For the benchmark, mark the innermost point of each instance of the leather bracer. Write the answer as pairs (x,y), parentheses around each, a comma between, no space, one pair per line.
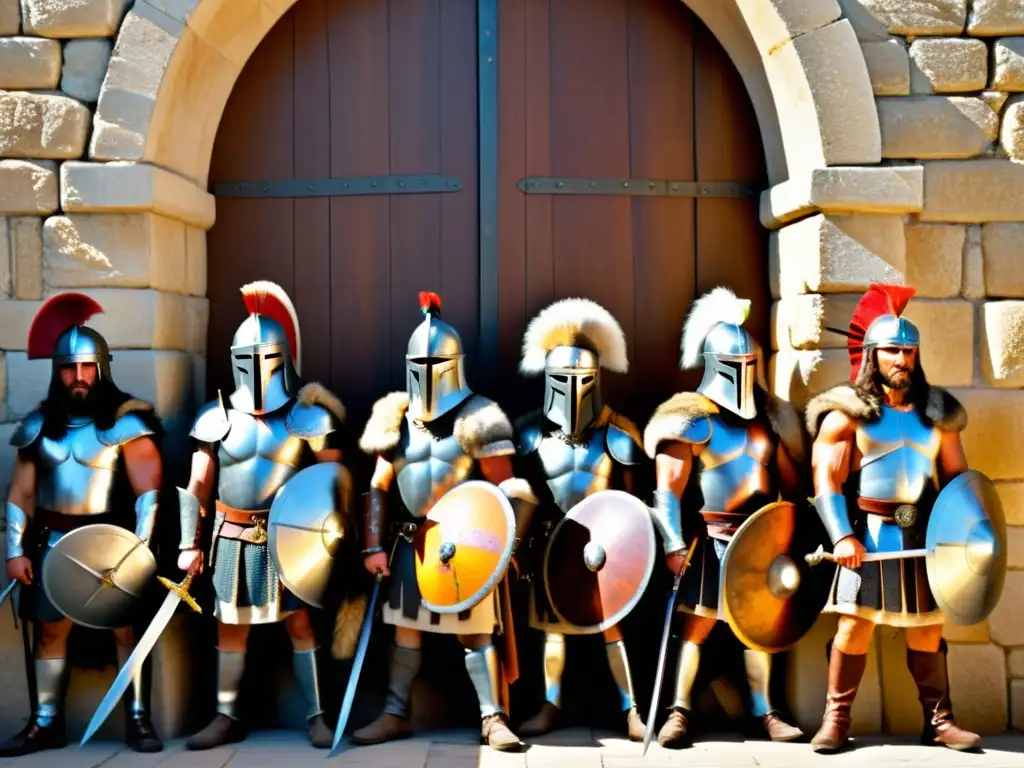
(375,521)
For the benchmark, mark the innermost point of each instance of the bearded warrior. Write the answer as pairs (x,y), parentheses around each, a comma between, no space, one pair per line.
(74,450)
(427,440)
(889,442)
(272,426)
(739,445)
(574,447)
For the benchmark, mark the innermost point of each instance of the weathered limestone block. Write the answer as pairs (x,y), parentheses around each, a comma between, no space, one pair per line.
(71,18)
(935,258)
(27,257)
(996,17)
(15,318)
(41,126)
(971,633)
(947,340)
(973,190)
(1015,663)
(5,257)
(773,25)
(838,254)
(10,17)
(918,17)
(134,188)
(1011,136)
(1003,245)
(992,442)
(198,317)
(1015,547)
(161,377)
(807,682)
(1007,620)
(28,186)
(1017,705)
(85,65)
(234,29)
(930,127)
(887,190)
(973,669)
(1011,494)
(948,65)
(138,250)
(798,375)
(1002,343)
(1008,64)
(195,261)
(802,322)
(995,99)
(888,67)
(29,62)
(3,408)
(974,269)
(901,712)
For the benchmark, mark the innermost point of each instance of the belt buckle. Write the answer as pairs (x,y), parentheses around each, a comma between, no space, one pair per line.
(259,535)
(905,515)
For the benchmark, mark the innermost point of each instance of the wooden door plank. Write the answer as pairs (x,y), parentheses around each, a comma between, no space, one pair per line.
(661,146)
(361,335)
(312,131)
(731,244)
(415,148)
(459,239)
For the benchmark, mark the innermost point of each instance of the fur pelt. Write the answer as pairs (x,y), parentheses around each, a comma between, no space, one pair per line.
(314,393)
(575,323)
(133,405)
(517,489)
(787,425)
(384,427)
(719,305)
(347,624)
(481,423)
(942,410)
(674,416)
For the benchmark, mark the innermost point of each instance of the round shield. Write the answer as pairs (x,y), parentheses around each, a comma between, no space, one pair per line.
(305,528)
(464,546)
(770,595)
(966,544)
(599,560)
(96,575)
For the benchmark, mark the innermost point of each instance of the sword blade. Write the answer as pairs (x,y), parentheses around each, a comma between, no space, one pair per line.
(357,666)
(124,677)
(660,674)
(7,592)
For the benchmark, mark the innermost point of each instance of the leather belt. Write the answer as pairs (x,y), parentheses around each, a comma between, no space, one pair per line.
(249,525)
(902,514)
(61,523)
(241,516)
(723,518)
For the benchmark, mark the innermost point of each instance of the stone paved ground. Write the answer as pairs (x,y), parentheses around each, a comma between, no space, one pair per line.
(576,748)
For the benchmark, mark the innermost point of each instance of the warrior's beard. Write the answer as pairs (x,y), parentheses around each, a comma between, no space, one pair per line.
(898,379)
(78,402)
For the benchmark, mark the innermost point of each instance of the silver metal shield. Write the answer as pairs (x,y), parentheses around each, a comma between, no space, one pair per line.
(96,575)
(306,525)
(966,543)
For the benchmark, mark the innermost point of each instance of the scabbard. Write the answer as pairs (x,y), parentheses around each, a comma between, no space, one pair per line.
(509,653)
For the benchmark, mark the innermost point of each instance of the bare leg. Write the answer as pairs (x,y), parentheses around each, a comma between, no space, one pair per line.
(554,664)
(675,734)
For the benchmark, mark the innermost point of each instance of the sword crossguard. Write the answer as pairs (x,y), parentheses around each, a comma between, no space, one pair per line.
(181,590)
(815,557)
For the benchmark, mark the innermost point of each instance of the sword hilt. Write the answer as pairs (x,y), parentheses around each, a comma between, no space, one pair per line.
(815,557)
(181,590)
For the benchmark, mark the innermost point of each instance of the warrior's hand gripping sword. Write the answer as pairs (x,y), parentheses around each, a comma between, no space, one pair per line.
(176,593)
(815,557)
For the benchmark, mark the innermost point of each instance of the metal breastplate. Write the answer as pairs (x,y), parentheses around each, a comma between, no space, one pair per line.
(734,465)
(256,457)
(427,465)
(898,456)
(75,474)
(573,472)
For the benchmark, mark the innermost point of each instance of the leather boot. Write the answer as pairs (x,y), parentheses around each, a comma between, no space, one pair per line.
(45,730)
(929,672)
(778,729)
(542,722)
(495,733)
(140,735)
(221,730)
(675,733)
(635,727)
(844,675)
(387,727)
(554,663)
(767,721)
(225,727)
(393,722)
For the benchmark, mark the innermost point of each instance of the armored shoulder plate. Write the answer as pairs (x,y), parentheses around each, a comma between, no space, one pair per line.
(529,433)
(127,428)
(28,430)
(684,417)
(697,432)
(309,421)
(622,446)
(212,424)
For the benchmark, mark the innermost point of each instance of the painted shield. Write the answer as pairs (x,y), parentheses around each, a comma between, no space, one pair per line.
(770,595)
(599,560)
(464,546)
(96,575)
(966,544)
(306,525)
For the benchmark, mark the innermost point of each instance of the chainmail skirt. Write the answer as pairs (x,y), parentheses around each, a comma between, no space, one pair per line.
(247,585)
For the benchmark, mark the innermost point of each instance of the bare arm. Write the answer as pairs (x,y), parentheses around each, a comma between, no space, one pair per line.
(629,480)
(21,501)
(328,454)
(672,466)
(144,466)
(952,461)
(200,483)
(831,460)
(497,469)
(23,484)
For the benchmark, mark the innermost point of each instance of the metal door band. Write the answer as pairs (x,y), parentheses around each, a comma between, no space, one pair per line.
(545,185)
(340,187)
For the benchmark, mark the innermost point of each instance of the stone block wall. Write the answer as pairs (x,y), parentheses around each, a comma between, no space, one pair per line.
(948,77)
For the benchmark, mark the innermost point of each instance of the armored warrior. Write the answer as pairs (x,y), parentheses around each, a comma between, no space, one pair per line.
(74,452)
(740,445)
(428,440)
(888,442)
(272,426)
(575,447)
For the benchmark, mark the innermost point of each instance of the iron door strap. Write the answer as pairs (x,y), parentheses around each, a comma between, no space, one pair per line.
(487,180)
(548,185)
(340,187)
